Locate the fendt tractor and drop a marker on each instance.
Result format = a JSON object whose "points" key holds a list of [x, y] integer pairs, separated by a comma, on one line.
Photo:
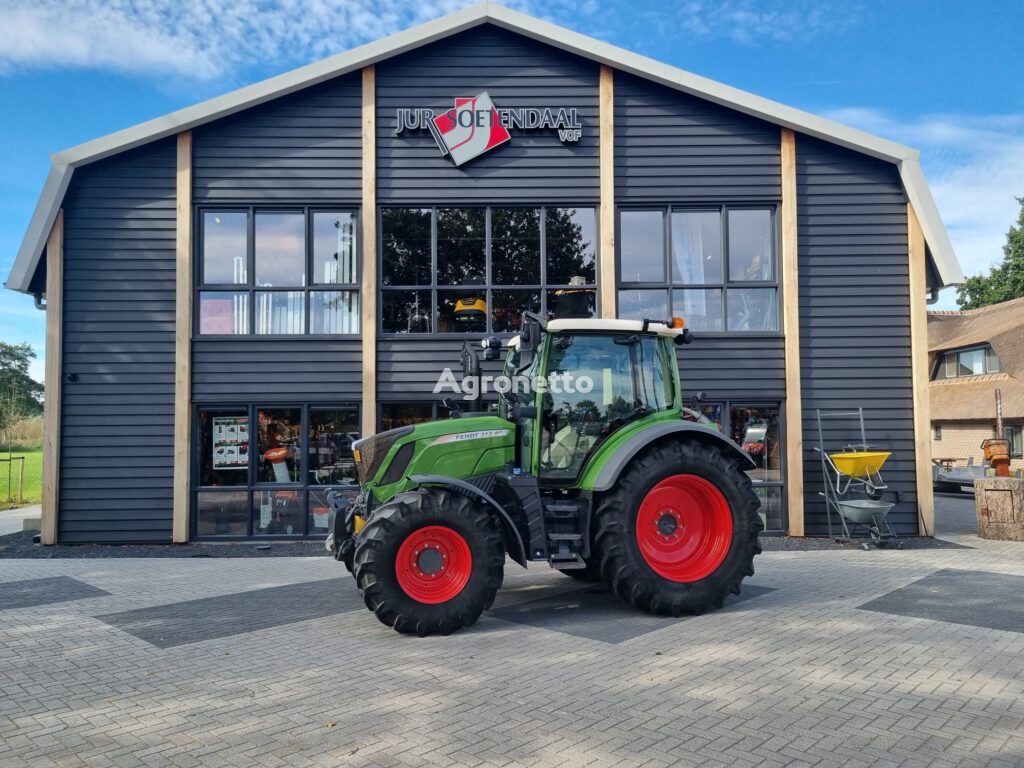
{"points": [[591, 462]]}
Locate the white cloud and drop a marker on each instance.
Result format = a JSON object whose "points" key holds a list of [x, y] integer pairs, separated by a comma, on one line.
{"points": [[200, 39], [750, 22], [208, 39], [975, 167]]}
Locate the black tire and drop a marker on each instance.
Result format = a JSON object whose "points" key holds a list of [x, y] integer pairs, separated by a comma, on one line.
{"points": [[591, 573], [377, 548], [623, 566]]}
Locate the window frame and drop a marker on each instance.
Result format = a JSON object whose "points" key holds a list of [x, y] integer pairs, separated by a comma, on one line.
{"points": [[668, 285], [251, 289], [953, 355], [1019, 429], [489, 286], [253, 484]]}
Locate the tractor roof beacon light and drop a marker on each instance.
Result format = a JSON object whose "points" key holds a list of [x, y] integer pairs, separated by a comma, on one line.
{"points": [[591, 466]]}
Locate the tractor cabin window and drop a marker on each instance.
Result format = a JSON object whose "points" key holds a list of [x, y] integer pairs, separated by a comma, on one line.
{"points": [[287, 272], [714, 267], [476, 270]]}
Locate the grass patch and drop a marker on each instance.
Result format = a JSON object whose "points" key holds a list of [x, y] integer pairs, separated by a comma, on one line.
{"points": [[33, 490]]}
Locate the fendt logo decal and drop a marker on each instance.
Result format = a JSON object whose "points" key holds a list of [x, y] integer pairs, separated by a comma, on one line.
{"points": [[474, 125], [462, 437]]}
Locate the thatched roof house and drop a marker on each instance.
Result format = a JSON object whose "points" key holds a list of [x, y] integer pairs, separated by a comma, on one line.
{"points": [[971, 397]]}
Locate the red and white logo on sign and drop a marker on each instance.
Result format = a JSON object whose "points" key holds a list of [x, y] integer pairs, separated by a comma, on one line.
{"points": [[470, 129]]}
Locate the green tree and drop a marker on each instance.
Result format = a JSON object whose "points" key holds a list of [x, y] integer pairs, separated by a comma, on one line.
{"points": [[1004, 281], [15, 383]]}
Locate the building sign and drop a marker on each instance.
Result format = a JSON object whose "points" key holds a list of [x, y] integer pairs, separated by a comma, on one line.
{"points": [[474, 125]]}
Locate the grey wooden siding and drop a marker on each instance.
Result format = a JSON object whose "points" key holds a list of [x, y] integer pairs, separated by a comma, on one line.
{"points": [[117, 429], [671, 147], [284, 370], [534, 167], [734, 368], [409, 367], [304, 147], [855, 313]]}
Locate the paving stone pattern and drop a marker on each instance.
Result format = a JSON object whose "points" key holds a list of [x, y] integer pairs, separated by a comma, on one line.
{"points": [[798, 676], [974, 598], [32, 592], [592, 612], [192, 621]]}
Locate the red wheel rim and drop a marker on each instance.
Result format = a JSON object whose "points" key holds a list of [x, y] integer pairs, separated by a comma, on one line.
{"points": [[684, 528], [433, 564]]}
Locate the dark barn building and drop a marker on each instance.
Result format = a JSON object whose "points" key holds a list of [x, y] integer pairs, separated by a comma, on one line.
{"points": [[236, 290]]}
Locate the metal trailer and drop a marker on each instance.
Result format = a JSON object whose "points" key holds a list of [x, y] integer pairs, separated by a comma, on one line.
{"points": [[855, 469]]}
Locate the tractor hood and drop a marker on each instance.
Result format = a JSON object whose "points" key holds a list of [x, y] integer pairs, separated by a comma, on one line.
{"points": [[458, 448]]}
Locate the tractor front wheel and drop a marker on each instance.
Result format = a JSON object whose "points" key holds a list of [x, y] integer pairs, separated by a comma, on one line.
{"points": [[429, 561], [678, 533]]}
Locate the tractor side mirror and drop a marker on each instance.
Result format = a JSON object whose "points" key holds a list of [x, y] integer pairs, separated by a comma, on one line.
{"points": [[470, 361], [492, 348], [529, 337]]}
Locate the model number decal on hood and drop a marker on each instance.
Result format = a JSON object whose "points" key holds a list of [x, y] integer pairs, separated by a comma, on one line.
{"points": [[470, 436]]}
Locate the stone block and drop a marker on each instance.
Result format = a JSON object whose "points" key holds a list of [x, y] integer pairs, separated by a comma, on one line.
{"points": [[999, 502]]}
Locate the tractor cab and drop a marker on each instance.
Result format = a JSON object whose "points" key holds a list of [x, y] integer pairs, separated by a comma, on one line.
{"points": [[597, 376], [590, 442]]}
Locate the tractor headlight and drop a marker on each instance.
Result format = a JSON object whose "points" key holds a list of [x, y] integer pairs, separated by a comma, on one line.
{"points": [[370, 451]]}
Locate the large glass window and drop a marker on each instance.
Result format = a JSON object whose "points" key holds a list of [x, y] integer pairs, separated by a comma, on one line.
{"points": [[225, 247], [278, 447], [222, 513], [224, 447], [642, 254], [718, 271], [757, 428], [260, 272], [476, 270], [280, 244], [331, 434], [266, 471]]}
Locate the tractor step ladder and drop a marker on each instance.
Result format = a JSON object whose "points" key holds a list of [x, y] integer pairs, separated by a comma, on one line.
{"points": [[564, 526]]}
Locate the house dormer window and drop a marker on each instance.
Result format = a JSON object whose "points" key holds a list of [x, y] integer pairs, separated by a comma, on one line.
{"points": [[973, 361]]}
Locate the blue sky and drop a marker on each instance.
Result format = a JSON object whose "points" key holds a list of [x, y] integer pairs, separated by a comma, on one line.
{"points": [[941, 76]]}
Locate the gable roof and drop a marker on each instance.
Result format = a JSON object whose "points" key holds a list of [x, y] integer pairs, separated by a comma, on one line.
{"points": [[65, 162]]}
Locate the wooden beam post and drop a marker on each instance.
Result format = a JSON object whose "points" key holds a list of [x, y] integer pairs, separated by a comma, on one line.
{"points": [[52, 380], [606, 162], [791, 329], [183, 341], [368, 283], [919, 373]]}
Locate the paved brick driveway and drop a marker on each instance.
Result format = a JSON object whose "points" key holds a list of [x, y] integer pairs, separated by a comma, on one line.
{"points": [[797, 674]]}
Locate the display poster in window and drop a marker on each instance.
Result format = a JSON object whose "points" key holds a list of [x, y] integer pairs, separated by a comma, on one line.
{"points": [[230, 442]]}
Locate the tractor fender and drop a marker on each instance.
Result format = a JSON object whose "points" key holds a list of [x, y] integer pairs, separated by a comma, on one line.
{"points": [[514, 542], [610, 471]]}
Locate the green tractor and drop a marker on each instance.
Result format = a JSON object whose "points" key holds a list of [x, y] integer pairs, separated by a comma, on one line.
{"points": [[591, 462]]}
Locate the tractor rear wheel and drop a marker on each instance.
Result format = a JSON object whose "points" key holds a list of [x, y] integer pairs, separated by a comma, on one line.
{"points": [[678, 533], [429, 561]]}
